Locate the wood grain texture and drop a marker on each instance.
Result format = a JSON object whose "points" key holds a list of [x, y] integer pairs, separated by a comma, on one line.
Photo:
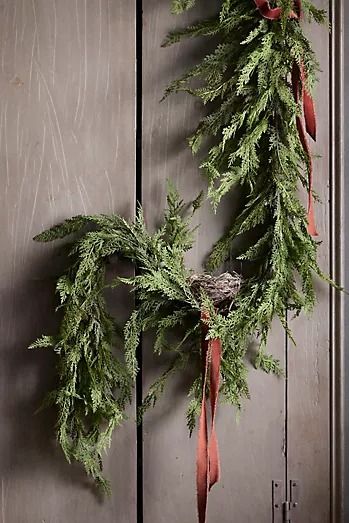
{"points": [[308, 443], [252, 451], [67, 146]]}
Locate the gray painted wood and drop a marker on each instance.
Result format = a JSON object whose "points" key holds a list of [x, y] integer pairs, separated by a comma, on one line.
{"points": [[308, 442], [338, 247], [252, 449], [67, 146]]}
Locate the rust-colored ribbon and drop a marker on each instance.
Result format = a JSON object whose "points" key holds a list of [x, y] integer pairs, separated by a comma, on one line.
{"points": [[207, 459], [299, 81], [275, 13]]}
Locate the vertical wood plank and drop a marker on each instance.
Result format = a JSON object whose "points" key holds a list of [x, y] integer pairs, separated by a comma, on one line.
{"points": [[67, 145], [308, 445], [251, 450], [341, 114]]}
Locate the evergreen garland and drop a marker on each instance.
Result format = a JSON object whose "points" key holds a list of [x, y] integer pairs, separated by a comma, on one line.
{"points": [[94, 386], [253, 142], [89, 373], [252, 139]]}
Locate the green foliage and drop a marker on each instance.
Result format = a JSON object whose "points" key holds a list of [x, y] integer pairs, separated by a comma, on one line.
{"points": [[89, 373], [179, 6], [94, 385], [251, 139], [268, 363]]}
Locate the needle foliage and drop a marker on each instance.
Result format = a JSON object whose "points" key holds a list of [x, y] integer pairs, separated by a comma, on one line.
{"points": [[94, 383], [250, 140]]}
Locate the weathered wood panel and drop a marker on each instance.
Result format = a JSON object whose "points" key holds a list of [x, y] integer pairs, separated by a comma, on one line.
{"points": [[67, 146], [251, 450], [308, 441], [341, 115]]}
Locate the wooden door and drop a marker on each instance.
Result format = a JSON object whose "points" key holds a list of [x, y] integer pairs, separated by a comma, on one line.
{"points": [[284, 432], [251, 449], [67, 146], [70, 112]]}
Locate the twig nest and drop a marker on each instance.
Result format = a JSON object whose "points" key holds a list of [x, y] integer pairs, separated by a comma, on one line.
{"points": [[220, 289]]}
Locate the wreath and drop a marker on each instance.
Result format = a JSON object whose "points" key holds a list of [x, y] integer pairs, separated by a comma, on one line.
{"points": [[257, 86]]}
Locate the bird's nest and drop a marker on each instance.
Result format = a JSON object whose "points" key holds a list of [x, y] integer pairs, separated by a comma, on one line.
{"points": [[221, 289]]}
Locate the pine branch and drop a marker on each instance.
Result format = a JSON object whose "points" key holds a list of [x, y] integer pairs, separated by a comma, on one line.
{"points": [[252, 138]]}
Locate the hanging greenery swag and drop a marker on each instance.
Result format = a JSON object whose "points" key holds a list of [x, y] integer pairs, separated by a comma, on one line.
{"points": [[256, 85], [94, 385]]}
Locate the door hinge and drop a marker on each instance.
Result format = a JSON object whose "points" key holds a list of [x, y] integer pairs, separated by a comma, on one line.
{"points": [[283, 510]]}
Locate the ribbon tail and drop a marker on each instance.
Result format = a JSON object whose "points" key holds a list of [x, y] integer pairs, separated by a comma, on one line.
{"points": [[202, 471], [308, 105], [311, 228], [298, 75], [202, 454], [214, 462], [214, 471], [311, 220], [207, 459], [309, 114], [302, 137]]}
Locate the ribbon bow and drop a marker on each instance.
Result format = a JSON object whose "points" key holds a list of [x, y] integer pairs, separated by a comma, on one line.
{"points": [[275, 13], [299, 81], [207, 460]]}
